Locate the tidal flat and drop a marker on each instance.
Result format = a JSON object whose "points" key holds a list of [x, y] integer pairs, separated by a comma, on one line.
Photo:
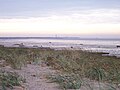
{"points": [[76, 69]]}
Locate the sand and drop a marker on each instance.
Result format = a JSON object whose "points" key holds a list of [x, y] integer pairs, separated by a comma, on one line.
{"points": [[35, 76]]}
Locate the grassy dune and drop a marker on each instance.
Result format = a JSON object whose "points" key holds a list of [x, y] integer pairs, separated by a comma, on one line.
{"points": [[75, 65]]}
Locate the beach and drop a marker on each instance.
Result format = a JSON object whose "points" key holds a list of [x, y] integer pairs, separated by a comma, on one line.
{"points": [[59, 69], [109, 46], [59, 44]]}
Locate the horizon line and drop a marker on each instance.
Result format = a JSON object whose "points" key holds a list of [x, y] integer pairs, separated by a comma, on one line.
{"points": [[58, 37]]}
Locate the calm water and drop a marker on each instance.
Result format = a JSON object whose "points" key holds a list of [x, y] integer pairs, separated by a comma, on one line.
{"points": [[93, 45]]}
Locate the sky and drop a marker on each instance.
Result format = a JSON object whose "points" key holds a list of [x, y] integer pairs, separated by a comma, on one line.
{"points": [[84, 18]]}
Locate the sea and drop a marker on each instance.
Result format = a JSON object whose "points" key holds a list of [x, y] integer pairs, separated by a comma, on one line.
{"points": [[109, 46]]}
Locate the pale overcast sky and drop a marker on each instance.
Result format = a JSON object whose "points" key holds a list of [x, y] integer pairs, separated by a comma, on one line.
{"points": [[61, 17]]}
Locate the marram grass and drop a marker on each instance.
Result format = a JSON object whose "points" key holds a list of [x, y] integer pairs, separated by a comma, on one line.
{"points": [[79, 63]]}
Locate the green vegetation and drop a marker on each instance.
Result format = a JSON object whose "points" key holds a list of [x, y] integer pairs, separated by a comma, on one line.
{"points": [[75, 65], [10, 79], [67, 81], [87, 65], [17, 57]]}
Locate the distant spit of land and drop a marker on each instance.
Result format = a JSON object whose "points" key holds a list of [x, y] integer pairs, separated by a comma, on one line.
{"points": [[64, 38]]}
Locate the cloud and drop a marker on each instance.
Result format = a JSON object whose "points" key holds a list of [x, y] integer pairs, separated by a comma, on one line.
{"points": [[93, 21], [97, 16], [88, 16]]}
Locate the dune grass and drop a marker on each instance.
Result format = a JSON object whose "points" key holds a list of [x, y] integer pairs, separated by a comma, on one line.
{"points": [[9, 80], [72, 64], [87, 65]]}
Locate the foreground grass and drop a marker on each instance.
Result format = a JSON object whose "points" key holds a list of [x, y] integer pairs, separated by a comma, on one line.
{"points": [[9, 80], [74, 65]]}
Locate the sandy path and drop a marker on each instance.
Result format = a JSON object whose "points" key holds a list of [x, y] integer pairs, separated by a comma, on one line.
{"points": [[35, 77]]}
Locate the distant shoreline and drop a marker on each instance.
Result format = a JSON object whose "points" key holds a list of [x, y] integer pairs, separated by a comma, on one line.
{"points": [[60, 38]]}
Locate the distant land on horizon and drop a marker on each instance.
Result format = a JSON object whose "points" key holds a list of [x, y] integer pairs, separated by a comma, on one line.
{"points": [[60, 38]]}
